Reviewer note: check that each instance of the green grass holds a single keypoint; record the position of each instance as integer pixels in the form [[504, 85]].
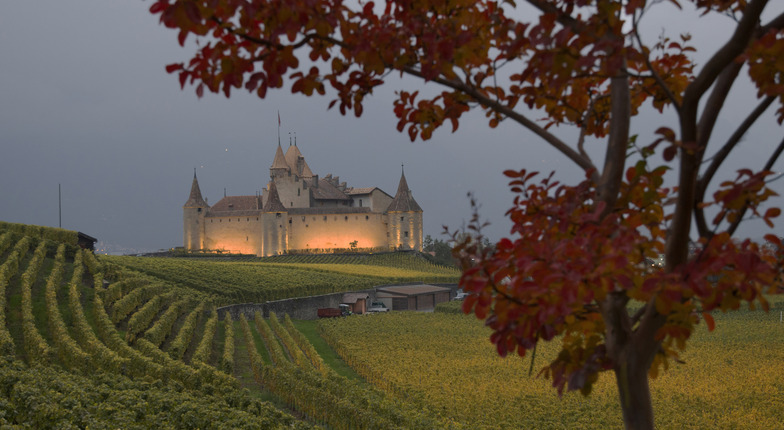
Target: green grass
[[330, 357]]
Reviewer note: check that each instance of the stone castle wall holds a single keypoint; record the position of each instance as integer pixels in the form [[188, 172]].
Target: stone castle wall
[[330, 231]]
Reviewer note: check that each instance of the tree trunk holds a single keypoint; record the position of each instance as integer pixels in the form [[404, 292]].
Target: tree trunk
[[631, 375]]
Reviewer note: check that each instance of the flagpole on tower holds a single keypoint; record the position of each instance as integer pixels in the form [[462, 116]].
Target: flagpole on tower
[[278, 127]]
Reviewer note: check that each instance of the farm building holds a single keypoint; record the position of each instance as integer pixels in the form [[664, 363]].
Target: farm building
[[356, 301], [412, 297]]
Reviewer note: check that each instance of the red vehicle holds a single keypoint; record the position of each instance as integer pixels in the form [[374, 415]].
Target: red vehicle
[[341, 311]]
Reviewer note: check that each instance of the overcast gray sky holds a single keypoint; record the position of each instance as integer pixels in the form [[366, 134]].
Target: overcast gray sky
[[85, 103]]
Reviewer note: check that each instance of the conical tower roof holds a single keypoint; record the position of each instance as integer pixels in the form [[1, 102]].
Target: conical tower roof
[[280, 160], [273, 200], [403, 201], [195, 200], [292, 155]]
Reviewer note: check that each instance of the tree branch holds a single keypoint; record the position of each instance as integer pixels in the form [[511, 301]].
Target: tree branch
[[726, 54], [676, 249], [654, 73], [615, 157], [714, 104], [494, 105], [702, 184], [768, 166]]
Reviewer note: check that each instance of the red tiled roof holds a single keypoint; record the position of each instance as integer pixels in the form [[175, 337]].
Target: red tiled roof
[[327, 191], [237, 203]]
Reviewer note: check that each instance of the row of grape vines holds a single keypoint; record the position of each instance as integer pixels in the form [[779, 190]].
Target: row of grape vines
[[238, 282], [727, 380], [316, 390], [79, 351]]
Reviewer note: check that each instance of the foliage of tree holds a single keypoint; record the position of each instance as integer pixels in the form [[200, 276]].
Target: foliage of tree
[[572, 267], [440, 251]]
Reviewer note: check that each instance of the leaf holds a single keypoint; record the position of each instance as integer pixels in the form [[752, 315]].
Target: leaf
[[772, 213], [709, 320]]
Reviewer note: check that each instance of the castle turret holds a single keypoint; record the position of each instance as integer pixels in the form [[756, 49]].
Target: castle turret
[[274, 224], [404, 219], [280, 167], [193, 212]]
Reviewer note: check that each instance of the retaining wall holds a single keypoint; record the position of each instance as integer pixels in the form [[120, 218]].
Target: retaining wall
[[301, 308]]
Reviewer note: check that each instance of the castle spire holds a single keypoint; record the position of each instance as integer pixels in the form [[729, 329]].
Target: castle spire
[[195, 200], [280, 160], [404, 200]]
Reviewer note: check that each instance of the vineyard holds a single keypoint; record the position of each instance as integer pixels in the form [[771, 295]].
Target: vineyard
[[284, 277], [137, 343], [728, 380], [128, 342], [76, 354]]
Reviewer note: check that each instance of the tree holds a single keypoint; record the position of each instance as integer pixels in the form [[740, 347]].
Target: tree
[[572, 268]]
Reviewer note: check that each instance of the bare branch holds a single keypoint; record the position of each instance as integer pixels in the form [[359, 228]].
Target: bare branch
[[714, 104], [618, 140], [718, 160], [676, 249], [734, 47]]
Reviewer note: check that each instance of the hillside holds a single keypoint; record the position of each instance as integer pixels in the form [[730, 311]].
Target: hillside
[[94, 342]]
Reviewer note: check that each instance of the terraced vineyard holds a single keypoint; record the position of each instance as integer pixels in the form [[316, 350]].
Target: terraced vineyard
[[733, 377], [76, 354], [89, 342]]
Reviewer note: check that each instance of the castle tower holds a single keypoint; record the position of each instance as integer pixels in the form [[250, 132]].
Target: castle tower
[[280, 167], [274, 224], [193, 212], [405, 219]]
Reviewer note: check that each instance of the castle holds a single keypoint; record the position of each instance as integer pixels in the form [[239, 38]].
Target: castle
[[300, 212]]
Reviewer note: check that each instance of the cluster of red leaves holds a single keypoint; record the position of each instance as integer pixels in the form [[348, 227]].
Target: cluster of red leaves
[[561, 66], [566, 258]]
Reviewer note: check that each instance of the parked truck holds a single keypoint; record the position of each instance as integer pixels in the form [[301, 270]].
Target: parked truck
[[341, 311], [378, 307]]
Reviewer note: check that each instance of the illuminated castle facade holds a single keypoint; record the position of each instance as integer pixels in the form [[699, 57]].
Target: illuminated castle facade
[[300, 212]]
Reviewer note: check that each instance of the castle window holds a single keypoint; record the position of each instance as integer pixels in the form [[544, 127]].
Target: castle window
[[257, 218], [360, 202], [198, 210], [297, 192], [346, 217], [246, 238], [238, 220], [247, 219], [289, 220], [325, 217], [277, 215], [405, 234], [292, 204], [367, 217], [229, 219], [401, 218], [210, 221], [303, 219]]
